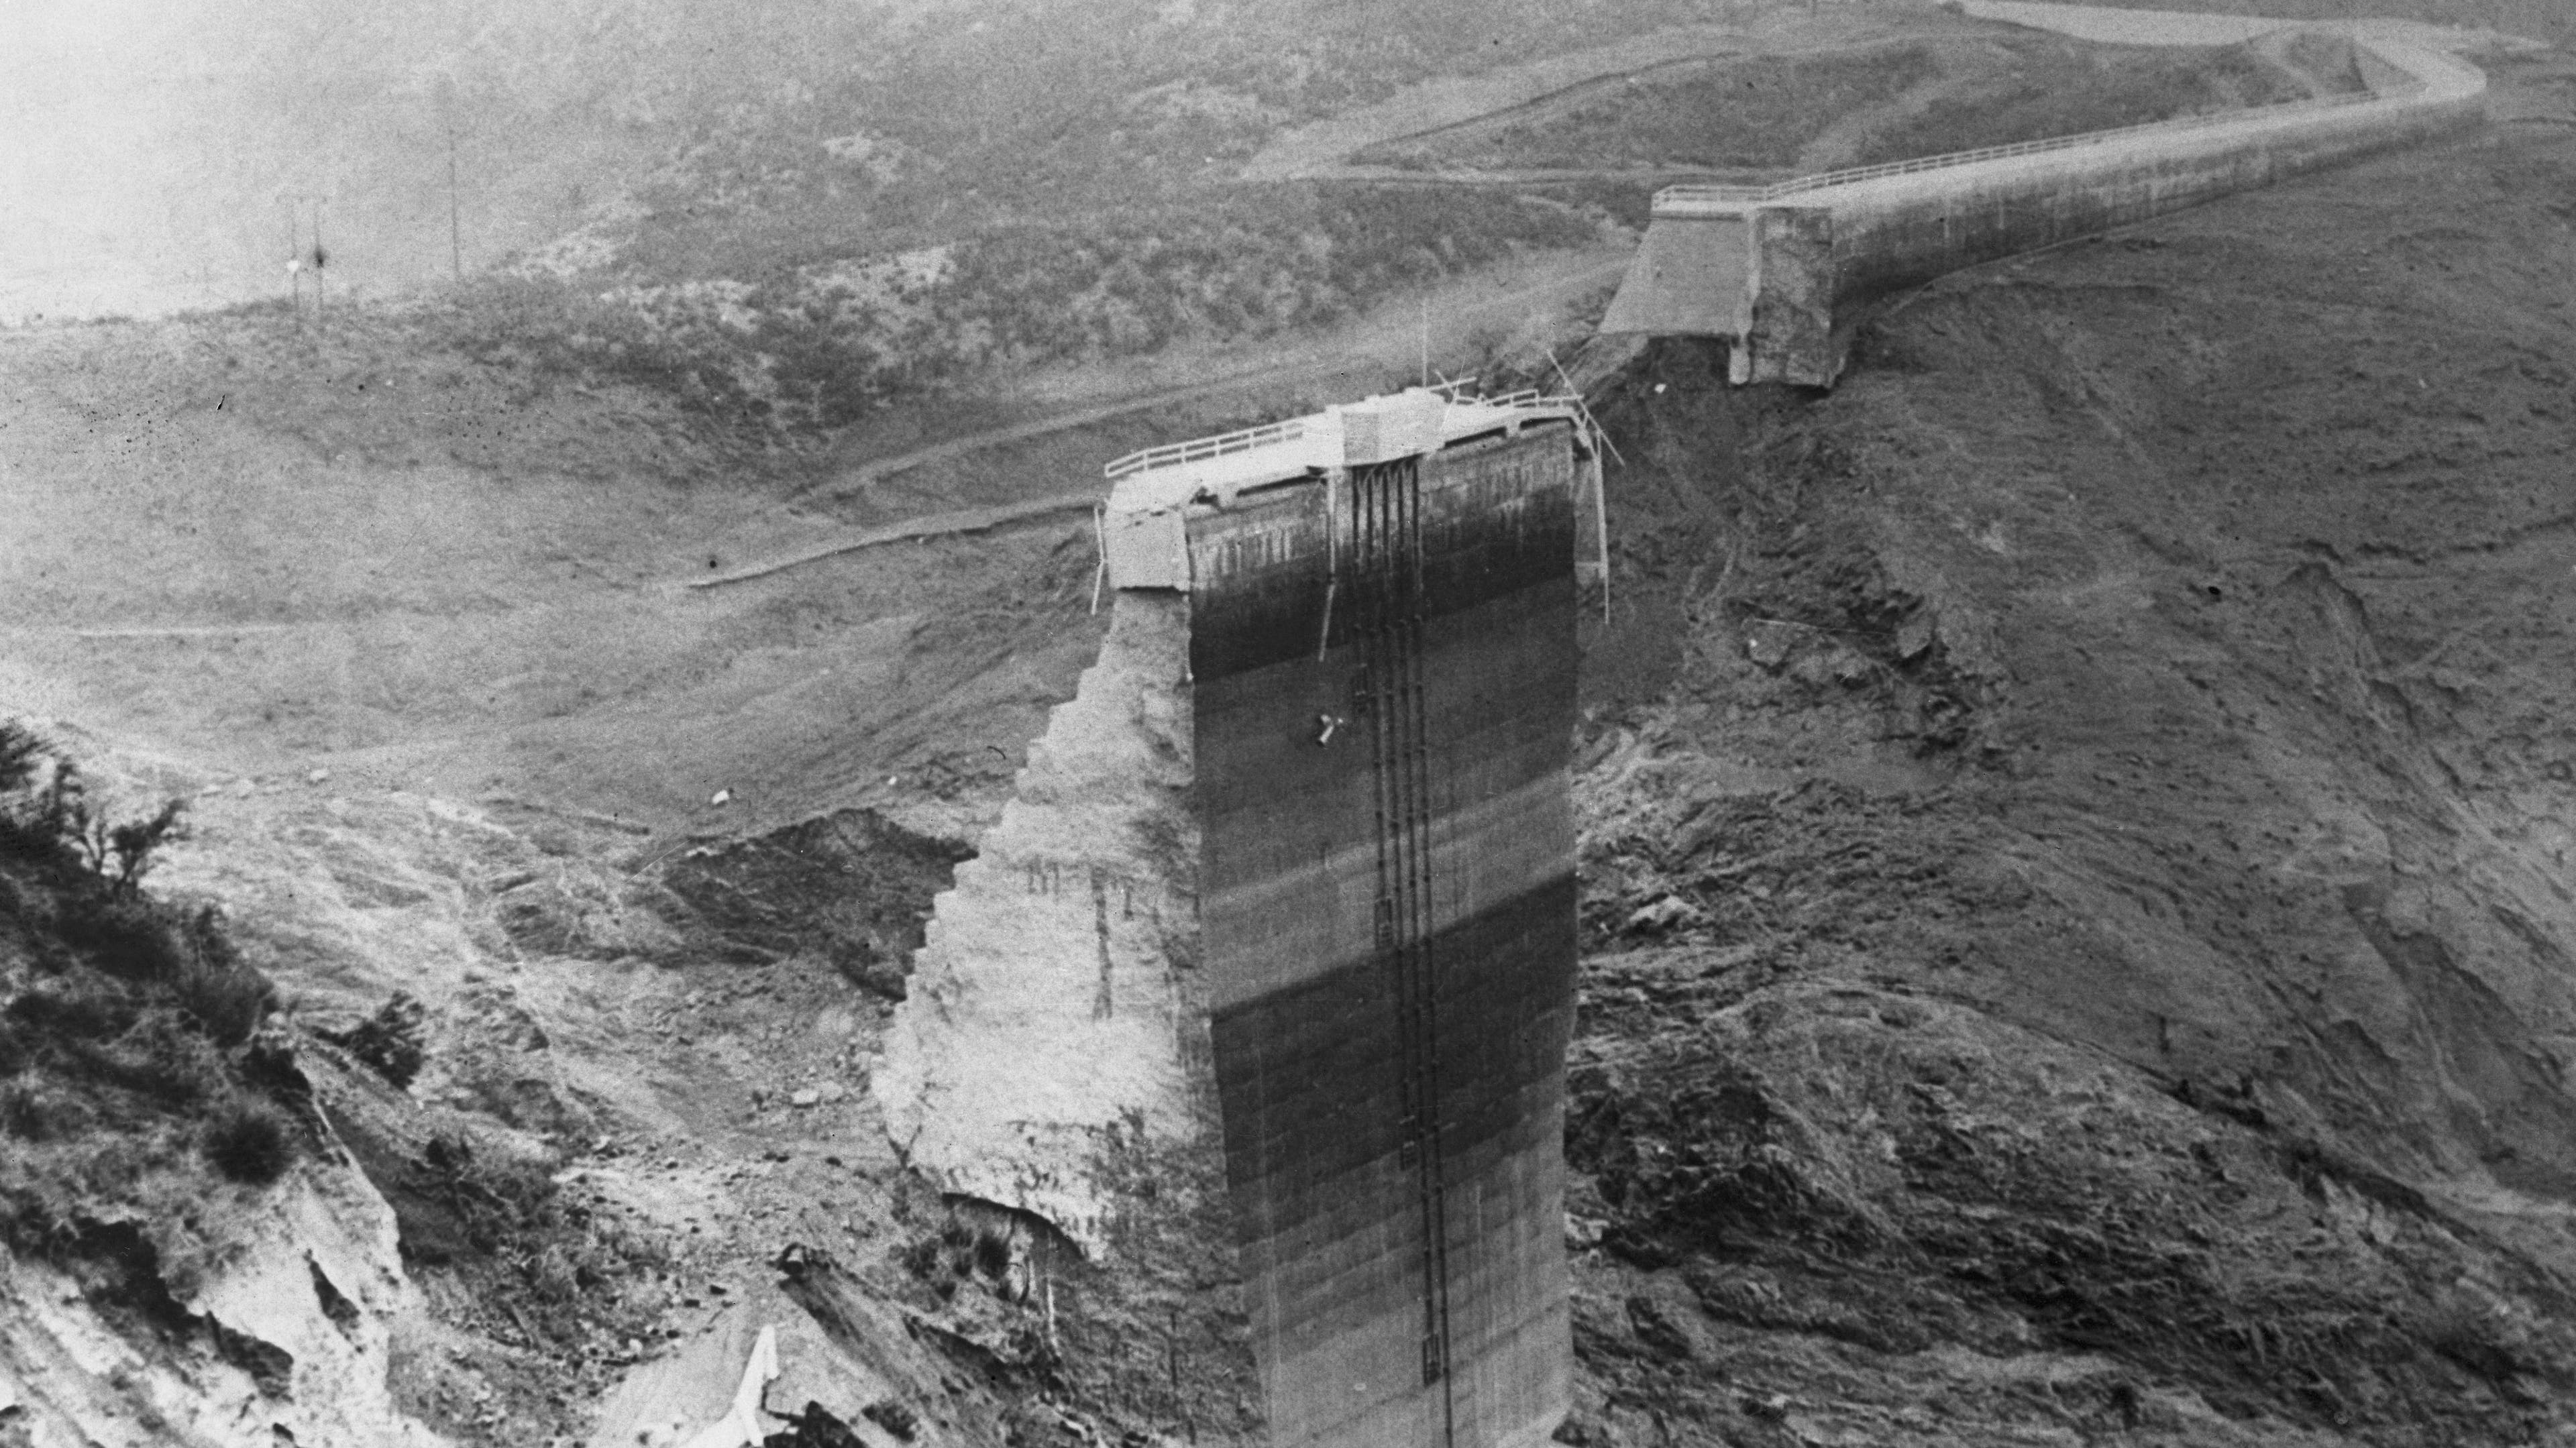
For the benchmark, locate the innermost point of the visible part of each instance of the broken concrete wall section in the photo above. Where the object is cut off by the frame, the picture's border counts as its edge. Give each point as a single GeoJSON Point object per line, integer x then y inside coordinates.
{"type": "Point", "coordinates": [1054, 1009]}
{"type": "Point", "coordinates": [1788, 334]}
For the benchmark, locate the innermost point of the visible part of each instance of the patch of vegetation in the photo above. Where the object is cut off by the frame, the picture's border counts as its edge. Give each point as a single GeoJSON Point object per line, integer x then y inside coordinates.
{"type": "Point", "coordinates": [822, 345]}
{"type": "Point", "coordinates": [1747, 113]}
{"type": "Point", "coordinates": [1018, 184]}
{"type": "Point", "coordinates": [250, 1142]}
{"type": "Point", "coordinates": [1033, 186]}
{"type": "Point", "coordinates": [1013, 109]}
{"type": "Point", "coordinates": [1261, 263]}
{"type": "Point", "coordinates": [388, 1042]}
{"type": "Point", "coordinates": [507, 1252]}
{"type": "Point", "coordinates": [1147, 1343]}
{"type": "Point", "coordinates": [136, 1083]}
{"type": "Point", "coordinates": [552, 329]}
{"type": "Point", "coordinates": [2064, 90]}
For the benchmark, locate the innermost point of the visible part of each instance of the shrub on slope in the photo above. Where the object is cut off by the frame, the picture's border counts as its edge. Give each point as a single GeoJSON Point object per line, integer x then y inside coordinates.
{"type": "Point", "coordinates": [135, 1081]}
{"type": "Point", "coordinates": [819, 345]}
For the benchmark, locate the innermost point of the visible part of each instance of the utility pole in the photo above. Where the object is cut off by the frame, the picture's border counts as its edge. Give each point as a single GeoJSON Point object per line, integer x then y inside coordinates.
{"type": "Point", "coordinates": [297, 256]}
{"type": "Point", "coordinates": [455, 231]}
{"type": "Point", "coordinates": [294, 260]}
{"type": "Point", "coordinates": [455, 227]}
{"type": "Point", "coordinates": [299, 259]}
{"type": "Point", "coordinates": [321, 292]}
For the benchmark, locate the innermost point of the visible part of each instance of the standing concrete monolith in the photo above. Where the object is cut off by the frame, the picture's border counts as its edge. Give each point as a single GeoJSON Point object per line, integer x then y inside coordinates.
{"type": "Point", "coordinates": [1285, 901]}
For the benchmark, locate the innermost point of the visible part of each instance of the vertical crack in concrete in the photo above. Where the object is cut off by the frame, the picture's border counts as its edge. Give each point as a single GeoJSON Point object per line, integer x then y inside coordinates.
{"type": "Point", "coordinates": [1102, 1006]}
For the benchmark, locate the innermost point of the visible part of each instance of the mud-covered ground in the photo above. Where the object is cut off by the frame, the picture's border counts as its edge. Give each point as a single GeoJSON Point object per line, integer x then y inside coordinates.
{"type": "Point", "coordinates": [2075, 843]}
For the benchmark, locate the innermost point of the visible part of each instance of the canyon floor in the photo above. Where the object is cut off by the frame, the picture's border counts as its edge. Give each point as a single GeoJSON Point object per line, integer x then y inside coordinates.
{"type": "Point", "coordinates": [2075, 846]}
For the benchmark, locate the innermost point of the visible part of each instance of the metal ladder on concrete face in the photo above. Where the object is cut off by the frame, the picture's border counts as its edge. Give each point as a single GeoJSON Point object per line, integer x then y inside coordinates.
{"type": "Point", "coordinates": [1386, 558]}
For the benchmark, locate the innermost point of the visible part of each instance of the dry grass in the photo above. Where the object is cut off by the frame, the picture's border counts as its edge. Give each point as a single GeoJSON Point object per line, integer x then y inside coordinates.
{"type": "Point", "coordinates": [803, 348]}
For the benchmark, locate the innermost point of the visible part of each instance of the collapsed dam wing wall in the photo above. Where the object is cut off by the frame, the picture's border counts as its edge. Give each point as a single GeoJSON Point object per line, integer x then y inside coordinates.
{"type": "Point", "coordinates": [1286, 901]}
{"type": "Point", "coordinates": [1769, 267]}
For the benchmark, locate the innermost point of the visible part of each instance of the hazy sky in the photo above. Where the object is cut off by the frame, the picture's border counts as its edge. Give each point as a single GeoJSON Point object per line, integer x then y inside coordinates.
{"type": "Point", "coordinates": [88, 91]}
{"type": "Point", "coordinates": [156, 152]}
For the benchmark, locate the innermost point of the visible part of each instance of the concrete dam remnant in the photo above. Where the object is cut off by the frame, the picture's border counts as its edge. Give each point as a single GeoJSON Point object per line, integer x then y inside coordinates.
{"type": "Point", "coordinates": [1771, 268]}
{"type": "Point", "coordinates": [1282, 913]}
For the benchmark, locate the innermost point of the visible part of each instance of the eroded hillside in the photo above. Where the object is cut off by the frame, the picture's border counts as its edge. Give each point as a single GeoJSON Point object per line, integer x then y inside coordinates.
{"type": "Point", "coordinates": [2077, 848]}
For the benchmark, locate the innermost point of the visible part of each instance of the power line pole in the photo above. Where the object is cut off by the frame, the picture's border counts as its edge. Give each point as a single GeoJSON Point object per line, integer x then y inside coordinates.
{"type": "Point", "coordinates": [455, 226]}
{"type": "Point", "coordinates": [455, 229]}
{"type": "Point", "coordinates": [294, 259]}
{"type": "Point", "coordinates": [321, 292]}
{"type": "Point", "coordinates": [300, 259]}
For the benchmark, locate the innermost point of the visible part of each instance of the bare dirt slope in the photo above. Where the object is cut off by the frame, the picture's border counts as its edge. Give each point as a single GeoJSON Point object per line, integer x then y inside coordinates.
{"type": "Point", "coordinates": [2077, 848]}
{"type": "Point", "coordinates": [273, 556]}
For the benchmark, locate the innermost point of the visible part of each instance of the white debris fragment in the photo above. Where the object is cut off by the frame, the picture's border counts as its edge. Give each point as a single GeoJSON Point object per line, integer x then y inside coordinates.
{"type": "Point", "coordinates": [745, 1425]}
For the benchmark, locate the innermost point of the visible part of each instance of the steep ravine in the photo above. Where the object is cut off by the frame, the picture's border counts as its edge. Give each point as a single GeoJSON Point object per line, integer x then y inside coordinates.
{"type": "Point", "coordinates": [2076, 849]}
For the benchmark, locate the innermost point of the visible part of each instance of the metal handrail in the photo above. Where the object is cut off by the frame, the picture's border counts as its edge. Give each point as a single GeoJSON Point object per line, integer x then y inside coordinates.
{"type": "Point", "coordinates": [1200, 449]}
{"type": "Point", "coordinates": [1687, 193]}
{"type": "Point", "coordinates": [1272, 434]}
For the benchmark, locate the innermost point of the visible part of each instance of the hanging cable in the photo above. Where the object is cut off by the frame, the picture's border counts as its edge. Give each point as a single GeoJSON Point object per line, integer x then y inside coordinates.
{"type": "Point", "coordinates": [1332, 563]}
{"type": "Point", "coordinates": [1100, 537]}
